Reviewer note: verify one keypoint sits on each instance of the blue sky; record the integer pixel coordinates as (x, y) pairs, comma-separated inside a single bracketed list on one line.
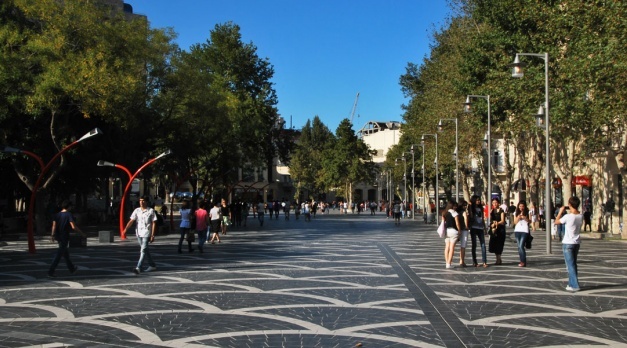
[(324, 52)]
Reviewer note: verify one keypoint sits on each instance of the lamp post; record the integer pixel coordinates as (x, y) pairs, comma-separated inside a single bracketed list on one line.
[(44, 169), (454, 154), (518, 72), (413, 177), (437, 185), (487, 139), (131, 177), (404, 182)]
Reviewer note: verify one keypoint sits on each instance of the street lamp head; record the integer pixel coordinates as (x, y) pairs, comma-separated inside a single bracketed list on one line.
[(540, 117), (102, 163), (440, 126), (91, 133), (9, 149), (517, 67), (467, 106), (167, 152)]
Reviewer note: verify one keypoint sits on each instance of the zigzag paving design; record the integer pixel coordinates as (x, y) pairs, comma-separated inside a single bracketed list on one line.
[(338, 281)]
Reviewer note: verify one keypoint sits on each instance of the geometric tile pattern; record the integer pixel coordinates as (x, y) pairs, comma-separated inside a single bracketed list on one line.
[(338, 281)]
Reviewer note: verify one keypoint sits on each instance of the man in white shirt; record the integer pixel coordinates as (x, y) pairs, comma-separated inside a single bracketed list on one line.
[(146, 220), (570, 243)]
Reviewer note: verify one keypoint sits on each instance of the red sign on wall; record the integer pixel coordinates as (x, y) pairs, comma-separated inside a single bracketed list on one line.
[(582, 180)]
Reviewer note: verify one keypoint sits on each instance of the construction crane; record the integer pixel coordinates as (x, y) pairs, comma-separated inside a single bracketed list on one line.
[(354, 107)]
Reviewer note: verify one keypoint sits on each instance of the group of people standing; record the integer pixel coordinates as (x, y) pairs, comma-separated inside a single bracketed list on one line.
[(463, 221)]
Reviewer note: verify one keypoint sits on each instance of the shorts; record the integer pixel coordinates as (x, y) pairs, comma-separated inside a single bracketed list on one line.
[(452, 235), (463, 238)]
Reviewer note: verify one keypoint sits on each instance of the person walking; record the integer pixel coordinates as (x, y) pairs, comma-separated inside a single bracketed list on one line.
[(185, 227), (62, 225), (397, 212), (521, 230), (497, 230), (572, 240), (227, 216), (145, 220), (451, 218), (202, 221), (215, 220), (462, 210), (477, 230), (260, 211), (533, 216)]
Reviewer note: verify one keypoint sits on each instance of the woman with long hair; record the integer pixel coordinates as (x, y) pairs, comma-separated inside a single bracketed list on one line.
[(451, 218), (497, 230), (521, 230), (477, 228), (462, 210)]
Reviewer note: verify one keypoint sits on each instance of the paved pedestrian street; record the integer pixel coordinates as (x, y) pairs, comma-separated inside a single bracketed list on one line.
[(337, 281)]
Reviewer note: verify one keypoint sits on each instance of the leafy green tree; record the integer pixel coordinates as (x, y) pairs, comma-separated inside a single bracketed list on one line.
[(306, 162), (349, 161), (78, 65)]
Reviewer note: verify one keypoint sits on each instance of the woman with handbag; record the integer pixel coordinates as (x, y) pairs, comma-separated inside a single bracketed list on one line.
[(185, 227), (521, 230), (451, 218), (497, 230)]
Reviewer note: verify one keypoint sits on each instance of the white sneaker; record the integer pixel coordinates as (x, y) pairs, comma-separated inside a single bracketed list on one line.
[(569, 288), (448, 265), (150, 269)]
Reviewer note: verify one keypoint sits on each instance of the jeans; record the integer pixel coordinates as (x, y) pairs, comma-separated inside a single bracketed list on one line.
[(202, 238), (260, 217), (521, 238), (144, 252), (478, 234), (561, 229), (570, 257), (62, 252), (184, 231)]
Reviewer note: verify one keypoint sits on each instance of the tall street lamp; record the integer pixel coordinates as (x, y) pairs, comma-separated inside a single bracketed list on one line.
[(404, 181), (44, 169), (413, 176), (518, 72), (455, 154), (131, 177), (487, 140), (437, 185)]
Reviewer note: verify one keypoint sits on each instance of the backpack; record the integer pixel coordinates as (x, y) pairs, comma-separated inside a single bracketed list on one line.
[(159, 219)]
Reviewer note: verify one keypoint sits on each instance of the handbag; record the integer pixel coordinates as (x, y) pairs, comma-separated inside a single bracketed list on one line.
[(442, 229), (528, 241), (191, 236)]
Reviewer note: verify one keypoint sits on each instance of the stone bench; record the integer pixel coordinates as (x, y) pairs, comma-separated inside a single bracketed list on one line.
[(105, 236)]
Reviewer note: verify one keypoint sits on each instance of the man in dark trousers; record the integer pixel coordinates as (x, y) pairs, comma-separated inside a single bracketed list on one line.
[(61, 226)]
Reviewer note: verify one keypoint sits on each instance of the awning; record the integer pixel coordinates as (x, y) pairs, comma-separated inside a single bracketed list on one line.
[(520, 185)]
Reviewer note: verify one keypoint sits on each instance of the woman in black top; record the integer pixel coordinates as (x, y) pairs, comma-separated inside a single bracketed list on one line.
[(497, 228), (451, 218), (225, 211)]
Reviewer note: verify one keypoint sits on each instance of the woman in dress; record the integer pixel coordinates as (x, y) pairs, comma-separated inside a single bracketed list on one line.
[(497, 230), (451, 218), (521, 230), (185, 226)]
